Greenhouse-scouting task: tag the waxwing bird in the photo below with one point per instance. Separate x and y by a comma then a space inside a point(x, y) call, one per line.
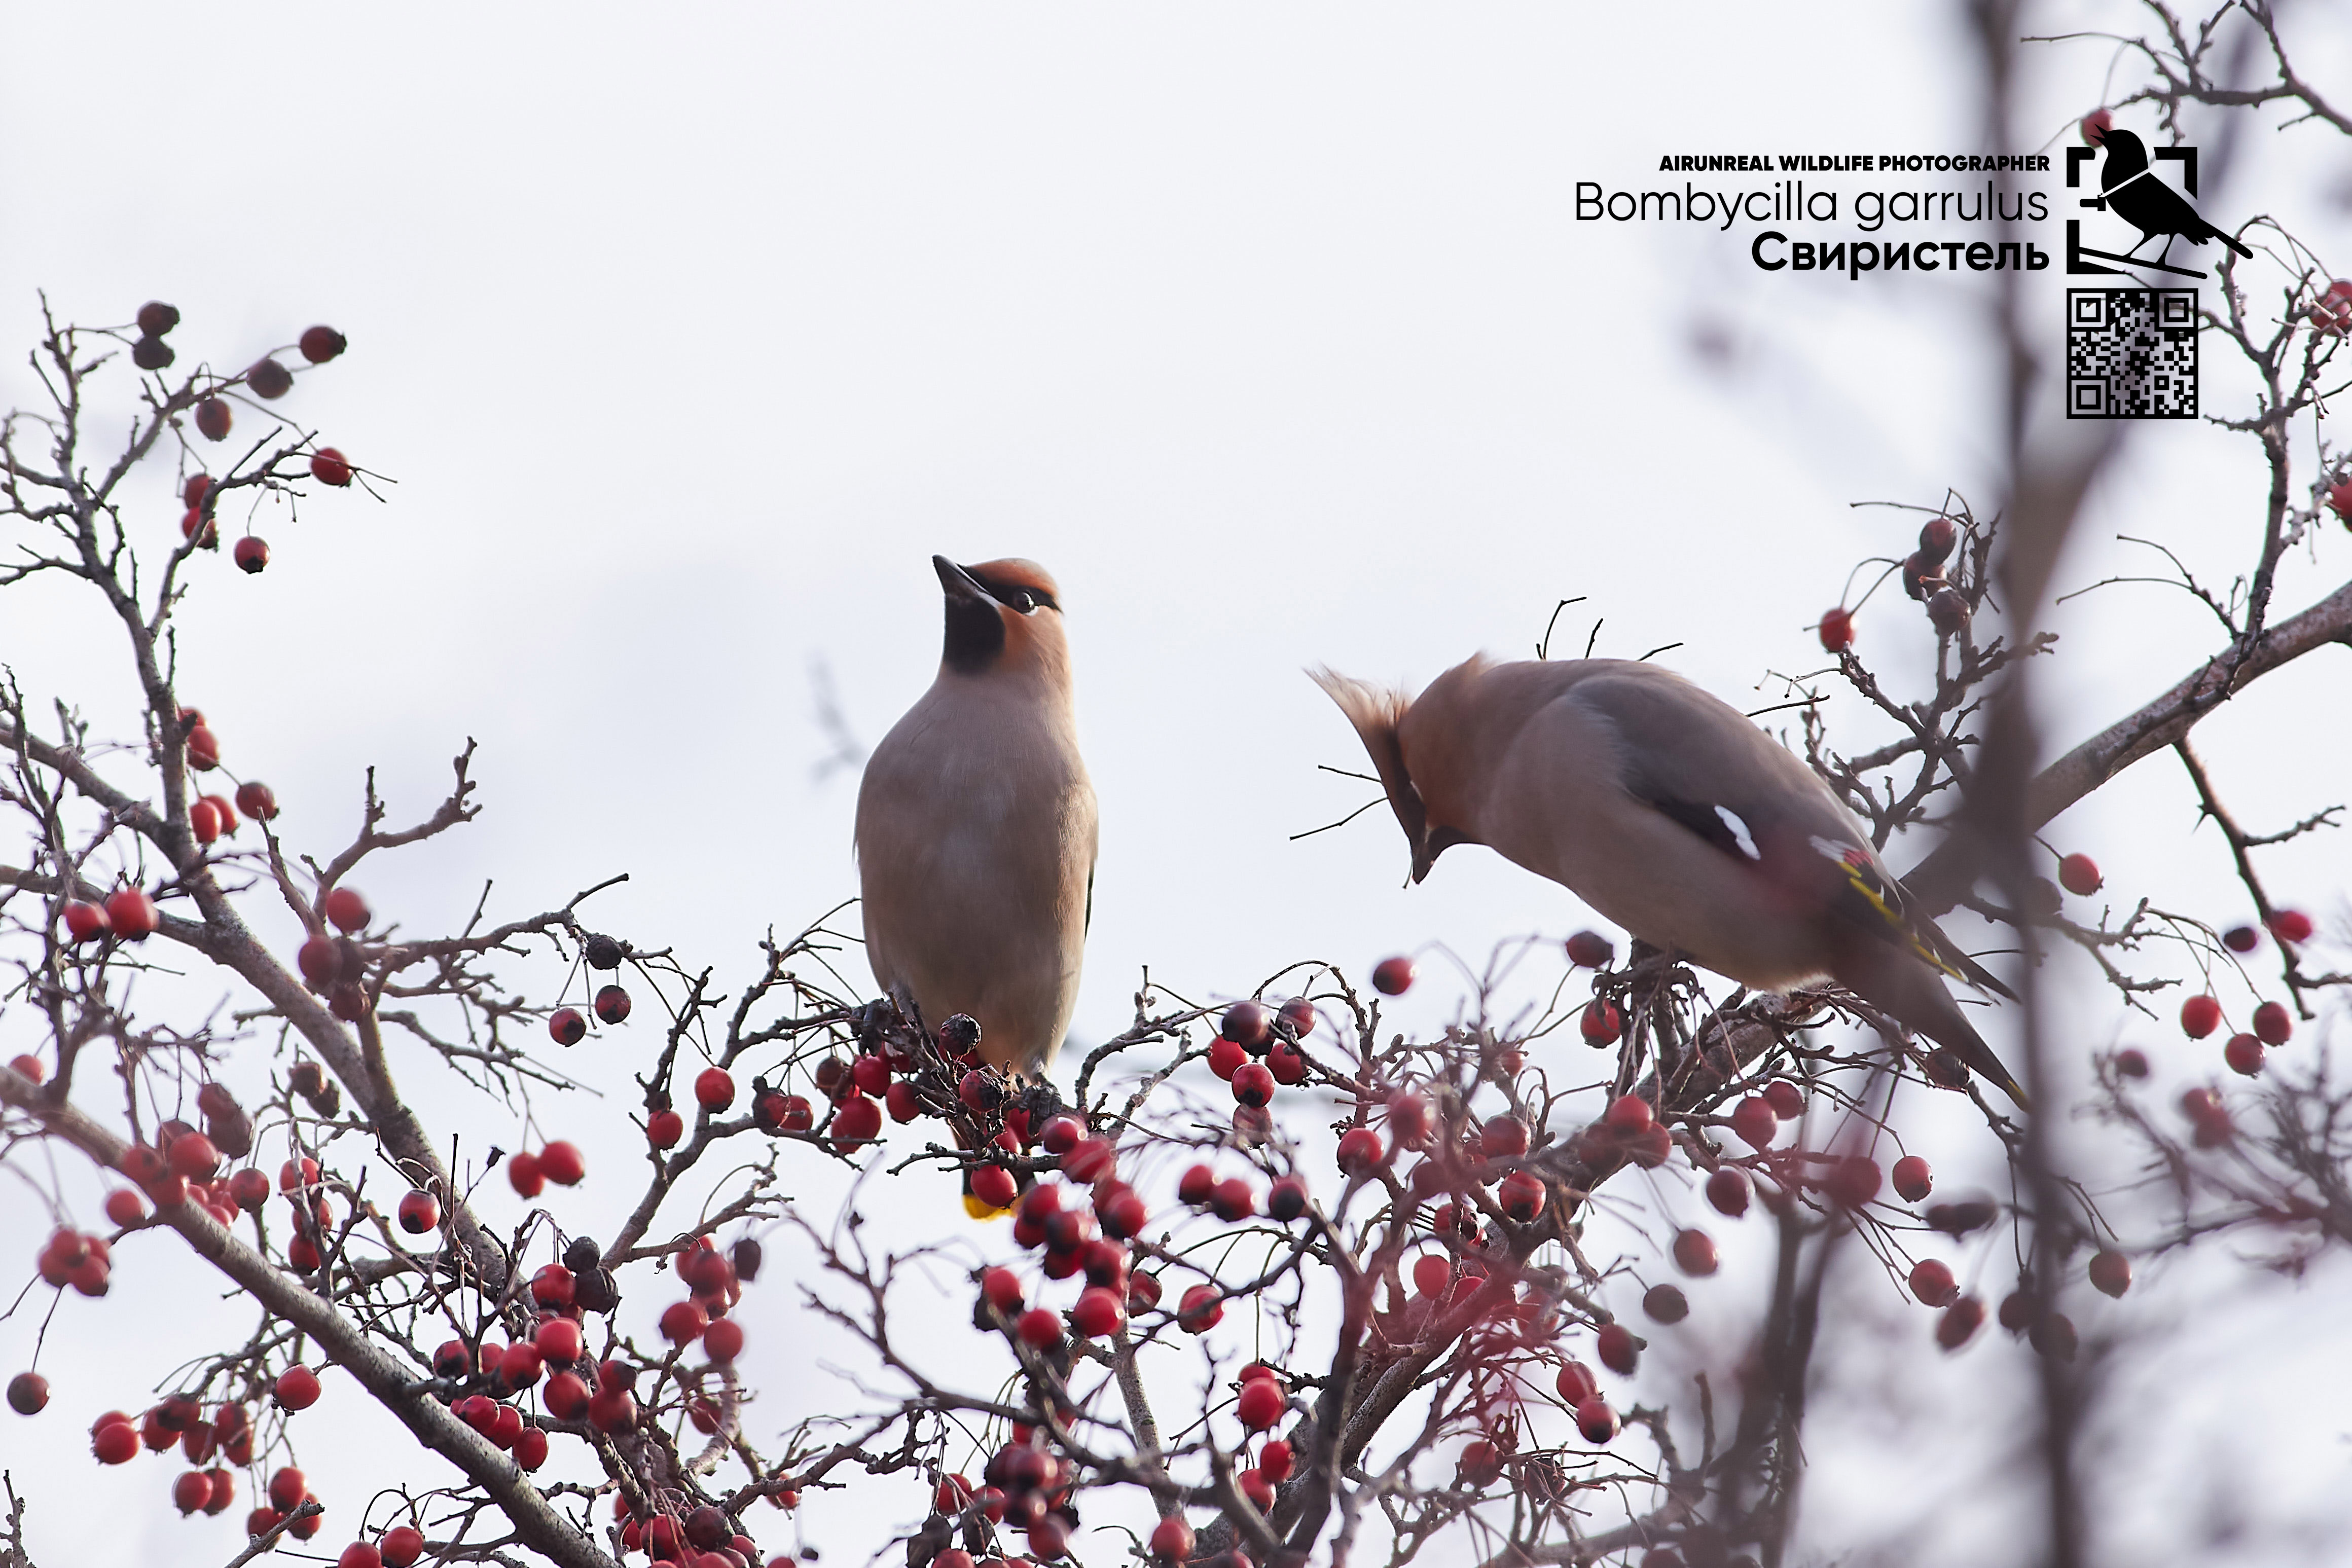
point(976, 825)
point(1670, 812)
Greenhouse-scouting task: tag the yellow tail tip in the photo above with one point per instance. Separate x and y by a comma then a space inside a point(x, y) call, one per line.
point(979, 1208)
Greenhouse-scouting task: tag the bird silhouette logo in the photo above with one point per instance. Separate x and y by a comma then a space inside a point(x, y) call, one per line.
point(2130, 188)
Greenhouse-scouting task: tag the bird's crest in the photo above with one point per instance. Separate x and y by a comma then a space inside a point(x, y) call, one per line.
point(1376, 711)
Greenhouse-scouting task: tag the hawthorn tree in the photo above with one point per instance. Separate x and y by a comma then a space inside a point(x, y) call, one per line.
point(1434, 1345)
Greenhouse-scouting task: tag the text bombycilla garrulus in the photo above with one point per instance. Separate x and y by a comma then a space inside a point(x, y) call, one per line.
point(976, 825)
point(1671, 813)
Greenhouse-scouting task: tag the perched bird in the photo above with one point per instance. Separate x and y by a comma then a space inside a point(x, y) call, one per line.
point(2133, 193)
point(976, 825)
point(1671, 813)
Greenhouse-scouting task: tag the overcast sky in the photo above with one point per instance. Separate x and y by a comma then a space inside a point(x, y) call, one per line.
point(686, 336)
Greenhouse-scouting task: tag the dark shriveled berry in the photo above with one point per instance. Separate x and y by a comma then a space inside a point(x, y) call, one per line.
point(151, 353)
point(269, 379)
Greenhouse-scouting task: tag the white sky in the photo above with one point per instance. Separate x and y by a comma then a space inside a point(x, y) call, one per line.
point(689, 335)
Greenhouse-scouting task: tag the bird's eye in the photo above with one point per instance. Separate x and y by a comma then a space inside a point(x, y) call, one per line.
point(1023, 600)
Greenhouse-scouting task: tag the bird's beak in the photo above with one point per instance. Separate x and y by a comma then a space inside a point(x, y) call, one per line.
point(958, 583)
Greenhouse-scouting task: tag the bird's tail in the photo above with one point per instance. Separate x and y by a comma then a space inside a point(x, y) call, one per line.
point(2231, 241)
point(1375, 711)
point(1914, 994)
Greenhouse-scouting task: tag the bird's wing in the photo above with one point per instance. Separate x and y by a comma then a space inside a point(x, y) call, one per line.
point(1704, 765)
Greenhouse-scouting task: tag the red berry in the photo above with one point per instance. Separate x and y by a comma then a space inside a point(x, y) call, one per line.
point(557, 1339)
point(2273, 1025)
point(1937, 538)
point(203, 821)
point(329, 466)
point(123, 1207)
point(1913, 1180)
point(194, 1157)
point(1755, 1123)
point(1665, 1303)
point(251, 554)
point(1039, 1327)
point(1287, 1064)
point(1617, 1348)
point(2242, 938)
point(1854, 1182)
point(1591, 950)
point(2111, 1272)
point(682, 1322)
point(192, 1491)
point(1932, 1283)
point(722, 1342)
point(1628, 1114)
point(1199, 1309)
point(1226, 1057)
point(1260, 1403)
point(523, 1174)
point(298, 1389)
point(87, 922)
point(420, 1211)
point(28, 1393)
point(1100, 1311)
point(1520, 1196)
point(257, 801)
point(561, 1162)
point(116, 1443)
point(1502, 1138)
point(2096, 126)
point(1003, 1289)
point(212, 419)
point(401, 1545)
point(346, 910)
point(2292, 925)
point(1246, 1023)
point(1252, 1085)
point(1602, 1023)
point(664, 1129)
point(288, 1487)
point(360, 1554)
point(1959, 1323)
point(611, 1004)
point(995, 1185)
point(1596, 1421)
point(1727, 1190)
point(1360, 1151)
point(566, 1396)
point(857, 1120)
point(133, 914)
point(1232, 1201)
point(1837, 630)
point(1122, 1212)
point(1785, 1099)
point(1695, 1252)
point(2079, 875)
point(2132, 1062)
point(1576, 1384)
point(714, 1089)
point(269, 379)
point(2199, 1016)
point(156, 317)
point(1172, 1540)
point(320, 344)
point(2244, 1054)
point(1393, 976)
point(1195, 1185)
point(1299, 1014)
point(799, 1115)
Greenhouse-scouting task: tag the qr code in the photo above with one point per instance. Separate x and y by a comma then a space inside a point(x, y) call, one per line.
point(2131, 353)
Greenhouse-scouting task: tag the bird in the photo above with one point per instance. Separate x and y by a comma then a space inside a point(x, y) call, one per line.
point(2133, 193)
point(1670, 812)
point(976, 825)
